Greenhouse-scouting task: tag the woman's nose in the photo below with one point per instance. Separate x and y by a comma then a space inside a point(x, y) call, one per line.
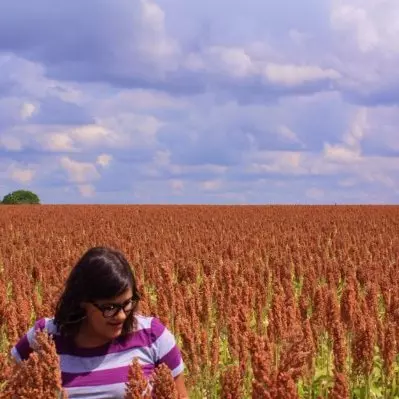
point(120, 316)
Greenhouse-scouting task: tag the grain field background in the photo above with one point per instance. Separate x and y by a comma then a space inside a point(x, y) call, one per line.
point(265, 301)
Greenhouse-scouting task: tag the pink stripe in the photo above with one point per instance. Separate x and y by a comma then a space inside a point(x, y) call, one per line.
point(172, 358)
point(147, 370)
point(40, 324)
point(157, 327)
point(23, 347)
point(102, 377)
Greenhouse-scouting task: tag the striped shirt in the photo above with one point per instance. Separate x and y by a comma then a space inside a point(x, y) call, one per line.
point(101, 372)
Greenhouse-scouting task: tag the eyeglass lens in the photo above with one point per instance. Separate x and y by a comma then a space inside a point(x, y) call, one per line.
point(111, 312)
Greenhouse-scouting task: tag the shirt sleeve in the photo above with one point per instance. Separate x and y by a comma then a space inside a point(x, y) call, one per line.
point(24, 347)
point(166, 349)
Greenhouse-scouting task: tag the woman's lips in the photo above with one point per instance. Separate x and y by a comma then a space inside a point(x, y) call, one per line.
point(116, 324)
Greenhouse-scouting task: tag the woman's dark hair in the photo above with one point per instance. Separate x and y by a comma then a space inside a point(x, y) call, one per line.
point(101, 273)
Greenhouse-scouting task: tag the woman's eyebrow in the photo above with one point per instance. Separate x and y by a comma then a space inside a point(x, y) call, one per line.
point(117, 303)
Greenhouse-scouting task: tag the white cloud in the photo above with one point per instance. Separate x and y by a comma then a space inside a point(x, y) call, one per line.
point(293, 75)
point(379, 128)
point(21, 175)
point(161, 163)
point(58, 138)
point(28, 110)
point(58, 142)
point(357, 131)
point(350, 150)
point(131, 130)
point(211, 185)
point(241, 62)
point(366, 49)
point(90, 134)
point(86, 190)
point(79, 172)
point(232, 60)
point(104, 160)
point(289, 135)
point(153, 40)
point(280, 162)
point(372, 24)
point(341, 154)
point(11, 143)
point(357, 20)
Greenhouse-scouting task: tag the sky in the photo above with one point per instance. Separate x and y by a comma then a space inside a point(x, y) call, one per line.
point(221, 102)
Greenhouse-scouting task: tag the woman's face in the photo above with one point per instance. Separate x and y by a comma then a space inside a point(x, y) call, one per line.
point(106, 328)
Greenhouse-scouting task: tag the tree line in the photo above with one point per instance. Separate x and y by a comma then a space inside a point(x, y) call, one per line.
point(20, 197)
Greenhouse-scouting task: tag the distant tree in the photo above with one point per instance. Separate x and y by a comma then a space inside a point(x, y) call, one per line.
point(21, 197)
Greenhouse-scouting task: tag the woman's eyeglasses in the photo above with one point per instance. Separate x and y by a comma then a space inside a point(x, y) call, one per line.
point(111, 310)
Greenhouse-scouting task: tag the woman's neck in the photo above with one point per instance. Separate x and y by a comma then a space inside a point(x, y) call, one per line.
point(89, 339)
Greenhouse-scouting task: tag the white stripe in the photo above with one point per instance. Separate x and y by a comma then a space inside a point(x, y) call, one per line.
point(116, 391)
point(178, 370)
point(143, 321)
point(50, 326)
point(15, 354)
point(31, 336)
point(76, 364)
point(164, 343)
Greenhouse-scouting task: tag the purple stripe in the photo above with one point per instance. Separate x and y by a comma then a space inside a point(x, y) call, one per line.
point(157, 328)
point(172, 358)
point(142, 338)
point(147, 370)
point(23, 347)
point(62, 344)
point(101, 377)
point(40, 324)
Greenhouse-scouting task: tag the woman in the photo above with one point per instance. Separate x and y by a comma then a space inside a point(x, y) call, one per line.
point(98, 332)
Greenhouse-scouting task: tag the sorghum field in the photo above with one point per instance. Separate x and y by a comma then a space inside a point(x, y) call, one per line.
point(266, 302)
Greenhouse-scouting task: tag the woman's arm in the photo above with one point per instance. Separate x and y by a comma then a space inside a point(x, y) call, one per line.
point(181, 386)
point(167, 351)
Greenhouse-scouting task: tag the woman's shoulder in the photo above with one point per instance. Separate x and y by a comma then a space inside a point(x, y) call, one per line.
point(22, 349)
point(150, 323)
point(156, 333)
point(162, 343)
point(143, 322)
point(45, 323)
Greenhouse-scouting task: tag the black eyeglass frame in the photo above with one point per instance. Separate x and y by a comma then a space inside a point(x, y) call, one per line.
point(116, 307)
